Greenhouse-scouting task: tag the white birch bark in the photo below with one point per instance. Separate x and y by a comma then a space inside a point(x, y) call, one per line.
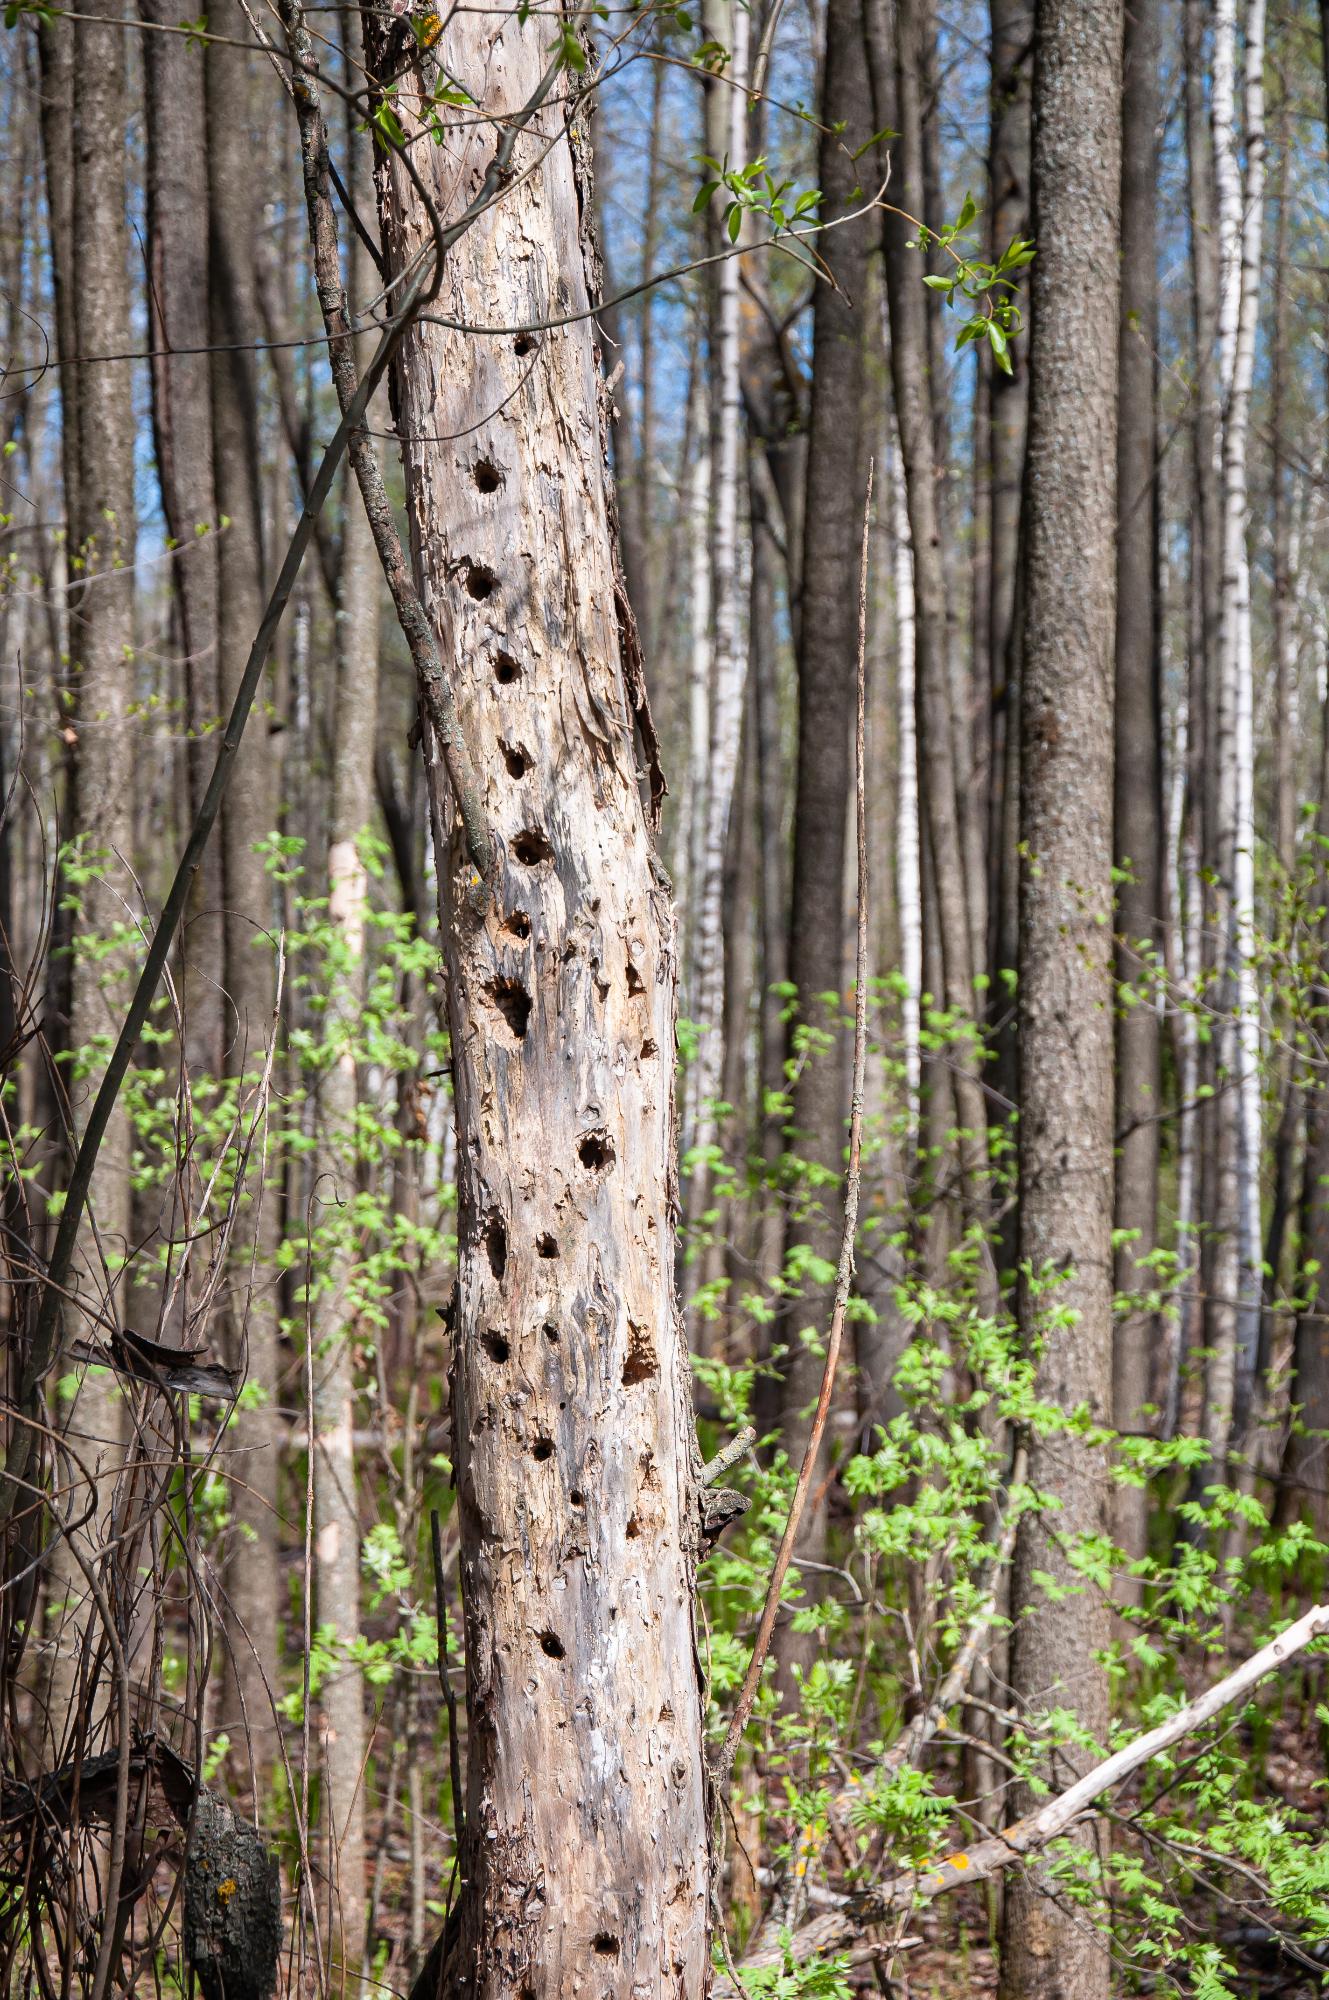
point(1188, 931)
point(729, 656)
point(908, 848)
point(699, 711)
point(1240, 220)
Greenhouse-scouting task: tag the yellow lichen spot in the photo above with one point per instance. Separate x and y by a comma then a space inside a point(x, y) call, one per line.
point(959, 1862)
point(225, 1890)
point(428, 28)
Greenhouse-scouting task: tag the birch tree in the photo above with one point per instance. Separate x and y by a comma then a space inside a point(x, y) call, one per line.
point(728, 654)
point(1236, 1282)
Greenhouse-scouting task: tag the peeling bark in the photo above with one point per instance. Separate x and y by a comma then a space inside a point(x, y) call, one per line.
point(585, 1862)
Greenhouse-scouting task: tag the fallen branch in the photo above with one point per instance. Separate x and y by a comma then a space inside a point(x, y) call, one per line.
point(837, 1929)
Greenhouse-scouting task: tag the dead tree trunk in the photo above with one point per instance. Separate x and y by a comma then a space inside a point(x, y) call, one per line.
point(585, 1858)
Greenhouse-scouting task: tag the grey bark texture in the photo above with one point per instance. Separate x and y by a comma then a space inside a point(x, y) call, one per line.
point(177, 194)
point(99, 801)
point(1138, 803)
point(826, 700)
point(351, 814)
point(1065, 993)
point(248, 816)
point(585, 1862)
point(895, 74)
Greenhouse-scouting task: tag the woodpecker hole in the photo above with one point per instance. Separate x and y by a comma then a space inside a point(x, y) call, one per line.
point(543, 1449)
point(547, 1246)
point(636, 984)
point(488, 479)
point(513, 1003)
point(552, 1646)
point(496, 1244)
point(595, 1152)
point(605, 1945)
point(517, 759)
point(640, 1364)
point(530, 847)
point(524, 344)
point(481, 582)
point(506, 670)
point(495, 1346)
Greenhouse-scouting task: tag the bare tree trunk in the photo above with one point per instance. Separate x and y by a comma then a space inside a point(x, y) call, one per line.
point(336, 1504)
point(249, 816)
point(585, 1859)
point(182, 432)
point(1236, 1288)
point(728, 661)
point(908, 855)
point(648, 617)
point(1306, 1466)
point(1008, 179)
point(1198, 867)
point(826, 700)
point(698, 781)
point(896, 101)
point(1306, 1463)
point(1065, 912)
point(99, 811)
point(1138, 783)
point(772, 858)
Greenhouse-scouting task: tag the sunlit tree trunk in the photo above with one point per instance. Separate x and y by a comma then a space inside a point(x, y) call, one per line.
point(908, 856)
point(1051, 1952)
point(335, 1321)
point(585, 1862)
point(1236, 1286)
point(728, 661)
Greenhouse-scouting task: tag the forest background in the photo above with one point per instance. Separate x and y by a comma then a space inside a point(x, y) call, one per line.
point(795, 532)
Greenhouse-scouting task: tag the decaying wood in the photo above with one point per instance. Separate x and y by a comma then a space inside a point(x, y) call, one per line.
point(585, 1862)
point(232, 1884)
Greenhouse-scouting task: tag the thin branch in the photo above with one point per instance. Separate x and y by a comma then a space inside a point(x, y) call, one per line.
point(1035, 1832)
point(738, 1447)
